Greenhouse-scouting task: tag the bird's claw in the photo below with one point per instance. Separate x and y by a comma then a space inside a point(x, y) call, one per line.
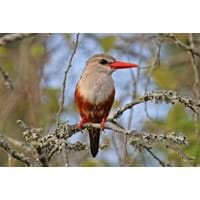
point(102, 125)
point(81, 123)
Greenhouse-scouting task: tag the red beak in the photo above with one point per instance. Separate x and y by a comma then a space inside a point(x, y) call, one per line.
point(121, 65)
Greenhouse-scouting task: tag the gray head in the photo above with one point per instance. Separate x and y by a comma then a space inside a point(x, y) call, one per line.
point(100, 63)
point(105, 63)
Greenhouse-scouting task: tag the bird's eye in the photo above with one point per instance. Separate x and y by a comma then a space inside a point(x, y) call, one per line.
point(103, 62)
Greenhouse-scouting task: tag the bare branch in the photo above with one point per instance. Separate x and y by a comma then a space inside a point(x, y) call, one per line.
point(33, 136)
point(11, 37)
point(158, 97)
point(65, 79)
point(195, 69)
point(13, 153)
point(180, 153)
point(46, 146)
point(190, 49)
point(196, 88)
point(63, 96)
point(162, 163)
point(54, 142)
point(78, 146)
point(139, 136)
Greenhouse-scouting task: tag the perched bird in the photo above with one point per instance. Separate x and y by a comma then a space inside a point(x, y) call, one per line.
point(94, 93)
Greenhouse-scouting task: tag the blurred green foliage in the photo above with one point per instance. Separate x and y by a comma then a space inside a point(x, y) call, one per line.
point(37, 50)
point(164, 78)
point(107, 42)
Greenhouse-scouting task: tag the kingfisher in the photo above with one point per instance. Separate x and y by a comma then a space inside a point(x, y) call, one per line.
point(94, 94)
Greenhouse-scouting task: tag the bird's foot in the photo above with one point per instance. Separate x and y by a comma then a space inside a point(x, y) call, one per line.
point(102, 125)
point(81, 123)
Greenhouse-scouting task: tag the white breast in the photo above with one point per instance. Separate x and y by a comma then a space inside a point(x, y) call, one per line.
point(96, 87)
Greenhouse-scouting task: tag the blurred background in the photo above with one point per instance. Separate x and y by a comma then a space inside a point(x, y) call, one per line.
point(36, 66)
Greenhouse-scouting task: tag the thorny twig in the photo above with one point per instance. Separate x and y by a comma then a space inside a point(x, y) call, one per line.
point(13, 153)
point(65, 78)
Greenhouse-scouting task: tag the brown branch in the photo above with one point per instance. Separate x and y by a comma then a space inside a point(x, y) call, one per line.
point(11, 37)
point(65, 79)
point(13, 153)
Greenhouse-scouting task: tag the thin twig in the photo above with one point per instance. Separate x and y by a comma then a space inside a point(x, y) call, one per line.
point(180, 153)
point(65, 78)
point(135, 80)
point(196, 84)
point(182, 45)
point(155, 65)
point(116, 149)
point(162, 163)
point(13, 153)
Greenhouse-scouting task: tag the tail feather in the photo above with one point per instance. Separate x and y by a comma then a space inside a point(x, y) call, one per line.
point(94, 134)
